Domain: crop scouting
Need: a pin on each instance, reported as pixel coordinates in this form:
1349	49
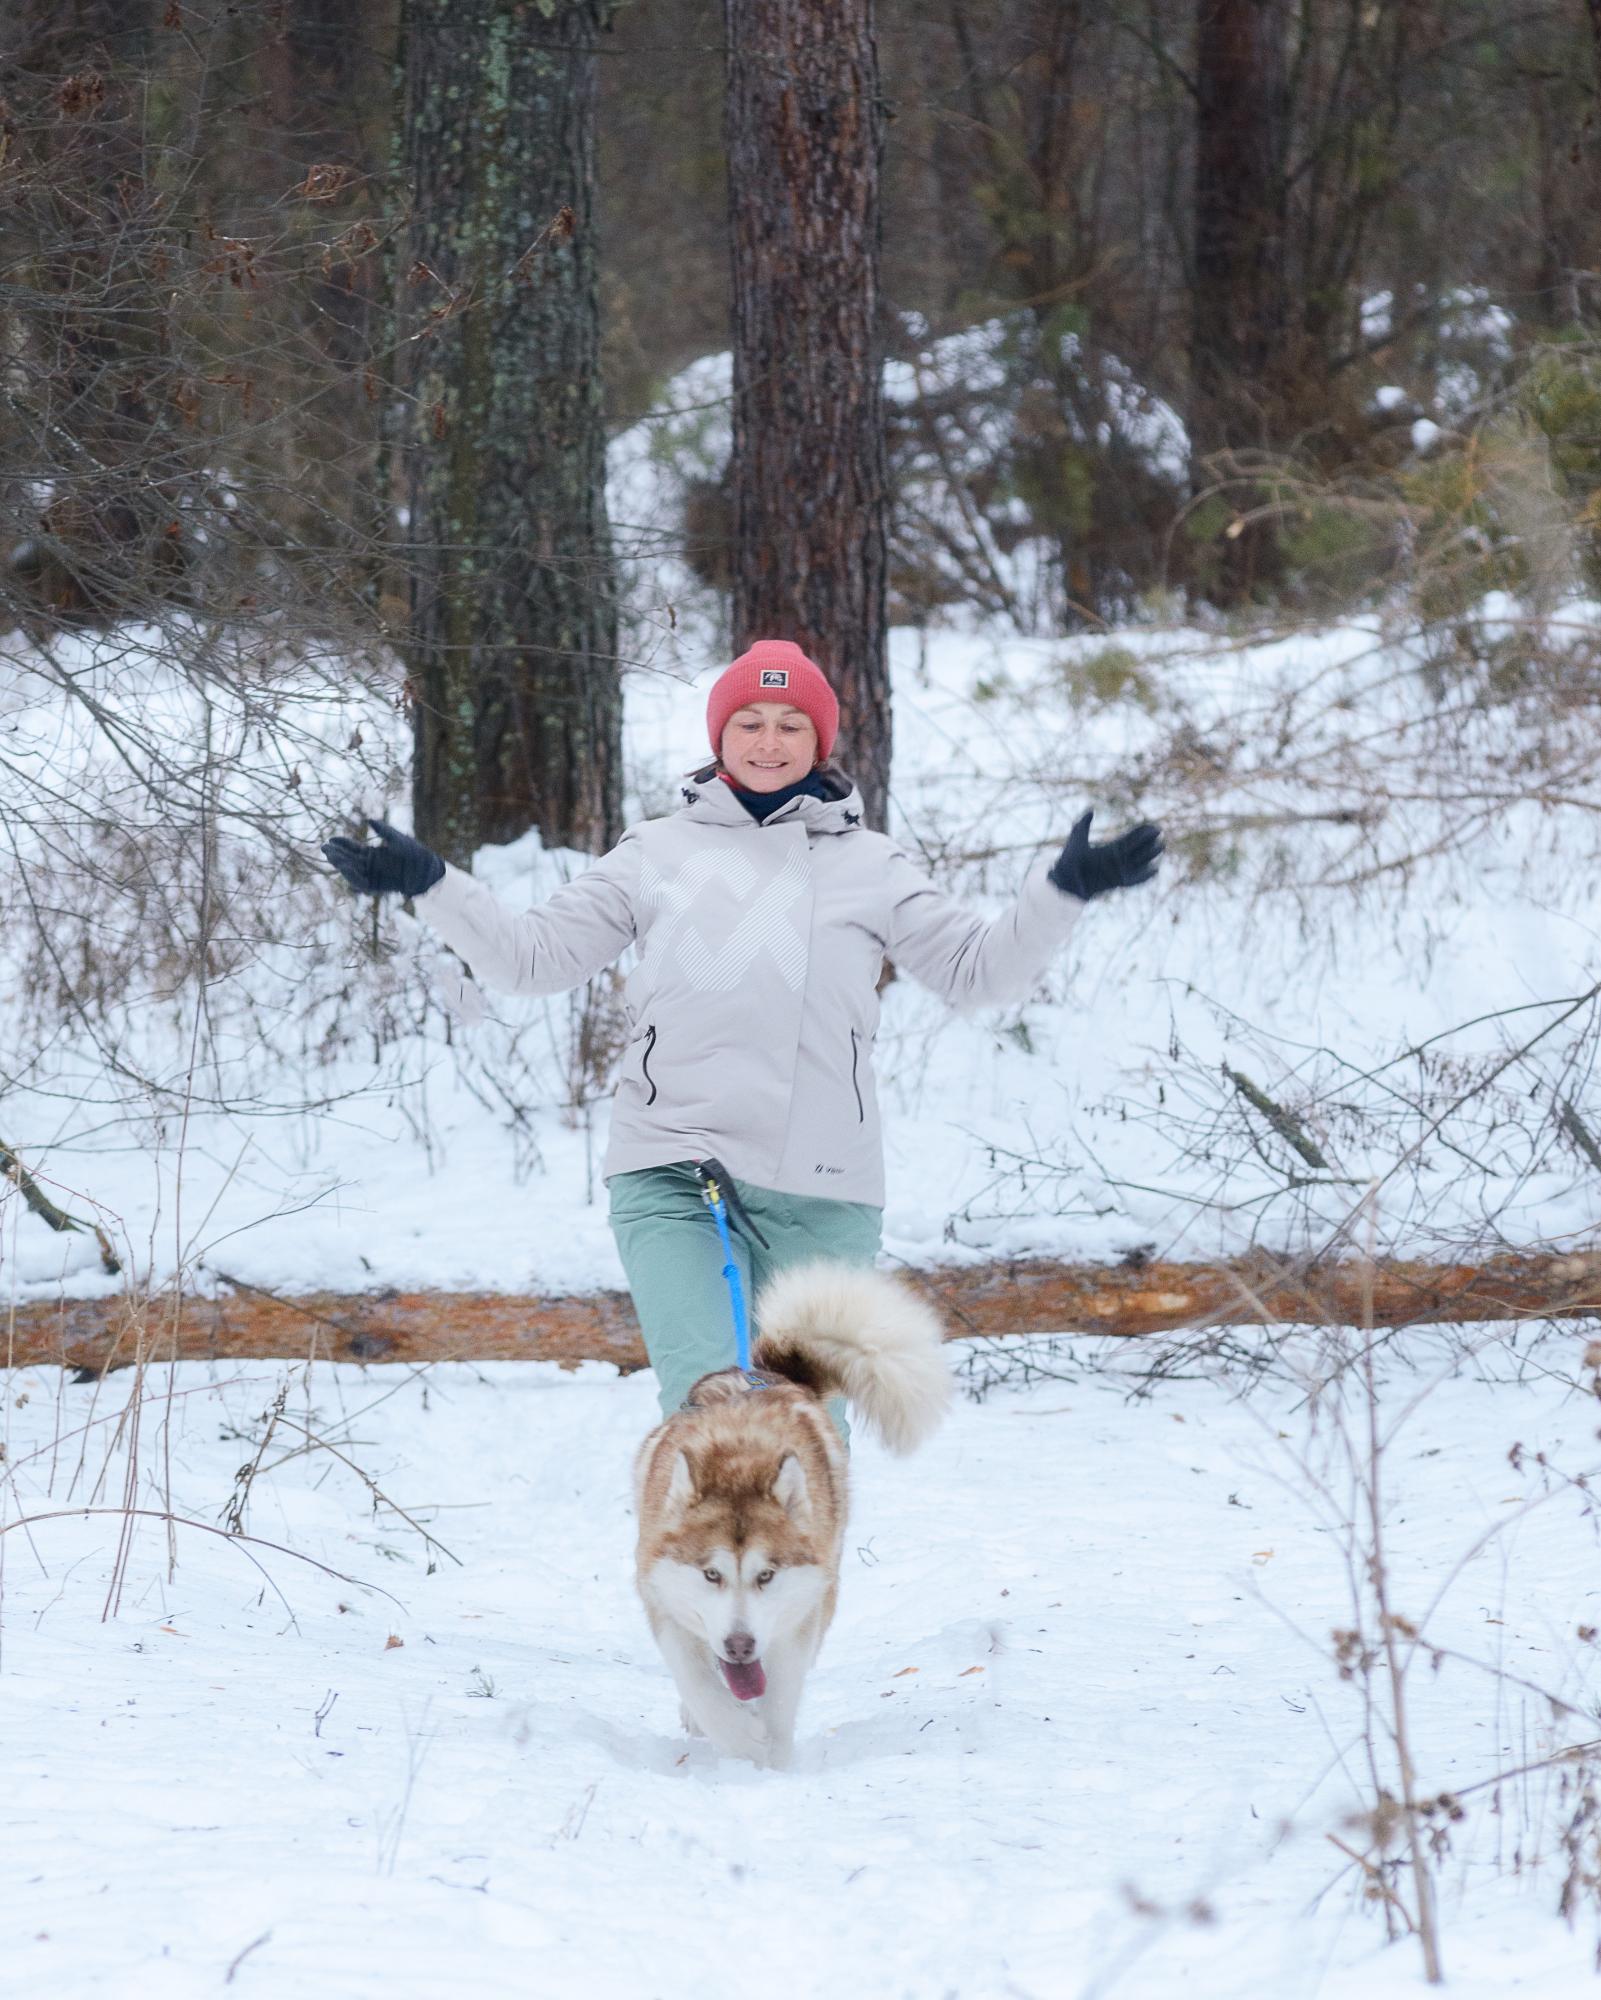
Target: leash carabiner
736	1208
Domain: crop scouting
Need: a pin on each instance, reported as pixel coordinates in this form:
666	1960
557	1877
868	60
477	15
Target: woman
764	912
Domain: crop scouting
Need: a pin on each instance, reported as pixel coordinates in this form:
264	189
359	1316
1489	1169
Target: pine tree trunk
1240	312
513	642
804	136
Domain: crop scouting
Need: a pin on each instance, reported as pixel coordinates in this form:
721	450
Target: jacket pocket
856	1048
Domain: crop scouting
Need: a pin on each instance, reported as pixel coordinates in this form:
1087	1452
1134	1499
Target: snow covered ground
1076	1732
1078	1729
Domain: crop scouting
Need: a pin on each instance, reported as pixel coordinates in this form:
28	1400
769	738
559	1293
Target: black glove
397	866
1084	871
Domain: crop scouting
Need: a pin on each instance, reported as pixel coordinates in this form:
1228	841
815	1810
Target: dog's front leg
788	1662
734	1728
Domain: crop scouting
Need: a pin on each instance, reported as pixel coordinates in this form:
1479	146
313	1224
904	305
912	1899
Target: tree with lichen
511	644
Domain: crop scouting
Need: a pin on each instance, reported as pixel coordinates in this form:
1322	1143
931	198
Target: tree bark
325	68
804	127
1240	305
82	320
247	1323
513	637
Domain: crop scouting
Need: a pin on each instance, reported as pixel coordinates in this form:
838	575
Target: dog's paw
691	1726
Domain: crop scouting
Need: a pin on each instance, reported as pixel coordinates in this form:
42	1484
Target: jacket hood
707	800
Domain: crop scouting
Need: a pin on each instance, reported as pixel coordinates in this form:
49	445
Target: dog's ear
791	1491
680	1487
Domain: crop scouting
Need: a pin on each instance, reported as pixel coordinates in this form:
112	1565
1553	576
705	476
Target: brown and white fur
742	1495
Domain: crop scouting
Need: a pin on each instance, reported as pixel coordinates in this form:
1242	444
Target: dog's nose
739	1647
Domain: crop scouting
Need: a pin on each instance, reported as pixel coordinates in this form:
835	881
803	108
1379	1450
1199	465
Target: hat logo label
774	677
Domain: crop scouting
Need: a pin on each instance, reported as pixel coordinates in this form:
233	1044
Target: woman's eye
712	1575
765	1578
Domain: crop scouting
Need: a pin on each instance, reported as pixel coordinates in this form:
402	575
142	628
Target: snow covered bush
1034	480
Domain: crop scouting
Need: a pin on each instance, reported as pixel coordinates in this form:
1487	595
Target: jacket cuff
446	906
1046	899
432	894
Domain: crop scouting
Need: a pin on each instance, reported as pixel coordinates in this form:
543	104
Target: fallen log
241	1322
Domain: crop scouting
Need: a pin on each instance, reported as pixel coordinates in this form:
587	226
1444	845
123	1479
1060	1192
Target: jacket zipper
861	1109
644	1065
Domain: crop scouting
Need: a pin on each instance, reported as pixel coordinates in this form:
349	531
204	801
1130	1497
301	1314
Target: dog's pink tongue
745	1682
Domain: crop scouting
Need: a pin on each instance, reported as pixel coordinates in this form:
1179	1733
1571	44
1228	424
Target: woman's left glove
1085	869
397	866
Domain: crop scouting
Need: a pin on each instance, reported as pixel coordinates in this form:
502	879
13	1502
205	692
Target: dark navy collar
762	805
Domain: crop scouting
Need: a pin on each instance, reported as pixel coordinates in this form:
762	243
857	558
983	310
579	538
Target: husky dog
741	1495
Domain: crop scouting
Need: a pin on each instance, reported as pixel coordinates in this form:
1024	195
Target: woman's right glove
397	866
1085	869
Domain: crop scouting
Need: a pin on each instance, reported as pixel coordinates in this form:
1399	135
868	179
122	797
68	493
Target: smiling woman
767	745
762	913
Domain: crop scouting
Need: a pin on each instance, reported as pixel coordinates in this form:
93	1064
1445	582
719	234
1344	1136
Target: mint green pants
674	1262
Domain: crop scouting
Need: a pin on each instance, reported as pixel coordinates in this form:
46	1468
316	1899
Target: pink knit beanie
774	670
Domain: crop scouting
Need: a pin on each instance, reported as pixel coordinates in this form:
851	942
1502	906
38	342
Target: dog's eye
765	1578
712	1575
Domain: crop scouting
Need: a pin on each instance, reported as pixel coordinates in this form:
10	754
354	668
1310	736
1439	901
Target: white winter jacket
753	1003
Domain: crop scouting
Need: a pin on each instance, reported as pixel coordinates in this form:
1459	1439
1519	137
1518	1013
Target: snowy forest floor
1077	1730
1081	1727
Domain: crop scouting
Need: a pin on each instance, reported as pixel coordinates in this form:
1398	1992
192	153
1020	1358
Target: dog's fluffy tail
860	1334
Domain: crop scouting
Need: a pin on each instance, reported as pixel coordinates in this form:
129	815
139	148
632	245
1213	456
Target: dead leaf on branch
357	240
455	302
235	258
561	228
325	182
81	96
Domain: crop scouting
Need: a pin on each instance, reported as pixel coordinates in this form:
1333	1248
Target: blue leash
708	1173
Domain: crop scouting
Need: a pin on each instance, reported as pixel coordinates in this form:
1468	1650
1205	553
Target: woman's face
768	745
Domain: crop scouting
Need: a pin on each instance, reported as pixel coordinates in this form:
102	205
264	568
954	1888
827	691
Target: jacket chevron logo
719	913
